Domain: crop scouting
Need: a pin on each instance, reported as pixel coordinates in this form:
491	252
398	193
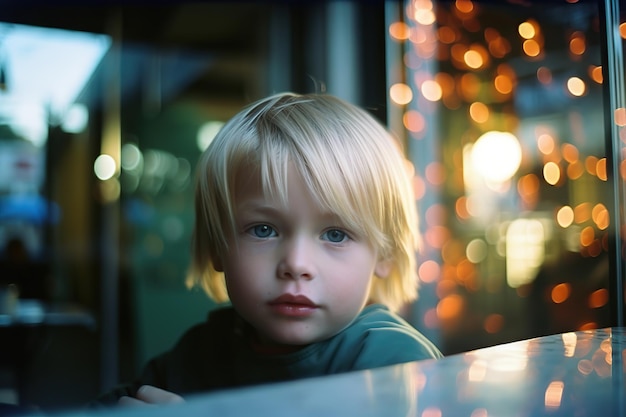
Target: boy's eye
335	235
262	231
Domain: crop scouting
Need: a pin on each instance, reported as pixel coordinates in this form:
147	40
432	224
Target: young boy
306	223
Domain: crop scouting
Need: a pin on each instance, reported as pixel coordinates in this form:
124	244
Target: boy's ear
383	268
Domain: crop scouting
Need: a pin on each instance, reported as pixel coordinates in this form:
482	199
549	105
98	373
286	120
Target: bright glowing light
565	217
473	59
551	173
545	144
601	169
560	293
503	84
599	298
399	30
525	251
531	48
479	112
450	307
401	93
595	72
464	6
600	216
104	167
576	86
526	30
431	90
424	17
497	156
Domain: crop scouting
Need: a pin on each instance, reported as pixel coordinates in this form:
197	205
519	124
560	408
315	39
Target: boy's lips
293	305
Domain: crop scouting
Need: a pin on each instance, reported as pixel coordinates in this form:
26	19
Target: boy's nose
297	260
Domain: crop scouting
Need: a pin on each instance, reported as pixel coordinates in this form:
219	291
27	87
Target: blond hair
350	163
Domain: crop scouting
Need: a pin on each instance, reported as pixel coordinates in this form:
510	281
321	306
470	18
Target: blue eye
262	231
335	235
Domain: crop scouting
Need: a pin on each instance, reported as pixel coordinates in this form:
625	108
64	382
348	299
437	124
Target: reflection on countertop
570	374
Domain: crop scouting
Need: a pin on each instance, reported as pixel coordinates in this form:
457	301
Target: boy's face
294	272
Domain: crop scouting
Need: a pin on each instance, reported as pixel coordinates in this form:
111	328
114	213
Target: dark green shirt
217	354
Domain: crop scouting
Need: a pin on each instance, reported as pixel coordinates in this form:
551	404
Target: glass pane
502	109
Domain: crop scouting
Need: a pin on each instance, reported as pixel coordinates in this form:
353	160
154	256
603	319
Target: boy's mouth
293	305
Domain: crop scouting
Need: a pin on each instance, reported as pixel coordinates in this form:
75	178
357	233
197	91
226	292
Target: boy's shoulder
386	338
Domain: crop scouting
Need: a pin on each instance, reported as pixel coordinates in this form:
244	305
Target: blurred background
512	113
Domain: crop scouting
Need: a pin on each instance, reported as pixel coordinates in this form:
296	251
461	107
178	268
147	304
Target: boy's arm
152	375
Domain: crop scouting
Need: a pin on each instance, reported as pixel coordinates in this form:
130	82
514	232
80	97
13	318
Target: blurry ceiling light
479	112
528	185
75	119
503	84
497	156
545	144
544	75
207	133
446	34
431	90
591	163
464	6
551	173
104	167
570	152
424	16
469	86
622	30
595	72
575	170
526	30
491	34
565	217
401	94
525	251
131	157
577	43
473	59
576	86
601	169
399	31
414	121
499	47
600	216
476	251
531	48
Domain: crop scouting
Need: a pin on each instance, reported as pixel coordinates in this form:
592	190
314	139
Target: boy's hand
147	394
